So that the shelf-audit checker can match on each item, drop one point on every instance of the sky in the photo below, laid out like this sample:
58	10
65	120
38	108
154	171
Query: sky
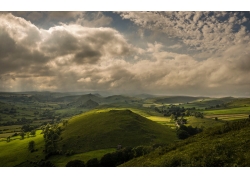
198	53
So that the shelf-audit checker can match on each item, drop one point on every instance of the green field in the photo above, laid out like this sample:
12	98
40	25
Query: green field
236	110
16	151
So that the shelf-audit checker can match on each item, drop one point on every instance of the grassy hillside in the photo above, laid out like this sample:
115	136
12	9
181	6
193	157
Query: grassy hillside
16	151
101	130
226	145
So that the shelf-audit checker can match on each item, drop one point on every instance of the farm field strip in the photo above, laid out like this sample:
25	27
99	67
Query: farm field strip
239	110
228	116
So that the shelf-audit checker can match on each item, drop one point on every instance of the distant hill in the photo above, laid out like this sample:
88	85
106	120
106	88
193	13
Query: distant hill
174	99
100	130
67	98
89	104
84	98
120	99
144	96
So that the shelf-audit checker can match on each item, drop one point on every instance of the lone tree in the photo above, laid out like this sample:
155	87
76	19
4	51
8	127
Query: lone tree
22	134
33	132
8	139
31	146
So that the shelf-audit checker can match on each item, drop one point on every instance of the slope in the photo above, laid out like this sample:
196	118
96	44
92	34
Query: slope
226	145
101	130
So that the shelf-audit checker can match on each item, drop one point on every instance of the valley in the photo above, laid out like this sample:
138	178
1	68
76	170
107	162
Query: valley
90	128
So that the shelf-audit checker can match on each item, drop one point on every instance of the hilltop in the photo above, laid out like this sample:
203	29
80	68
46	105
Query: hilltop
100	130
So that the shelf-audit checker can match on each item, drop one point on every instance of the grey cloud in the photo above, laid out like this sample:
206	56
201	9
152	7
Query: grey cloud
87	55
87	45
58	43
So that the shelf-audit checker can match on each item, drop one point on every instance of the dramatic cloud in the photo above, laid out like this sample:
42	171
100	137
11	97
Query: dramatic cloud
190	53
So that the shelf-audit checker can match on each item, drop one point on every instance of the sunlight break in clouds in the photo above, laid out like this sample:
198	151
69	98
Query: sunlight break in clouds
189	53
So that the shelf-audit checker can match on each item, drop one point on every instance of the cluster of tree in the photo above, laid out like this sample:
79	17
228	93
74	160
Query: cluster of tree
47	114
8	111
184	132
28	128
113	159
51	136
198	114
217	106
174	112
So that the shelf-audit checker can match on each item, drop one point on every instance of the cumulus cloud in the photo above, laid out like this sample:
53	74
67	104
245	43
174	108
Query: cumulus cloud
77	56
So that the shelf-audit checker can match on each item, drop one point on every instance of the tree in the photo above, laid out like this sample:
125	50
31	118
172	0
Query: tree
8	139
31	146
65	122
187	112
33	132
172	117
182	134
22	134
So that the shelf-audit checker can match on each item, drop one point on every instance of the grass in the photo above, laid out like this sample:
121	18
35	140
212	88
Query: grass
16	151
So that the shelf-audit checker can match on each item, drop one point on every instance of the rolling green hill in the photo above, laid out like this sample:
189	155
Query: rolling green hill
101	130
226	145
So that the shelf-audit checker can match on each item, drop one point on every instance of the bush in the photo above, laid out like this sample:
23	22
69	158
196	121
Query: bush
182	134
93	163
